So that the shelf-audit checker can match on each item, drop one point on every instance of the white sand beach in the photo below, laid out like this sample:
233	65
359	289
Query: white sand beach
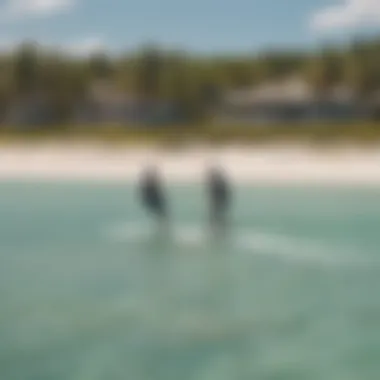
257	164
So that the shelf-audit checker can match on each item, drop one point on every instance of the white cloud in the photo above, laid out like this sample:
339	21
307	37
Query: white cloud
347	14
84	47
7	46
81	47
19	9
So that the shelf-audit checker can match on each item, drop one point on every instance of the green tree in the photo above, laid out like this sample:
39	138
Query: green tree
323	72
148	71
26	68
361	70
100	66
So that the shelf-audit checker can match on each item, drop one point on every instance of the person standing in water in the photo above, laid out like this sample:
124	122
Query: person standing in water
220	198
152	195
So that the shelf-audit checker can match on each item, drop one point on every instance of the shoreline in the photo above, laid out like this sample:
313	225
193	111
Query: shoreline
259	165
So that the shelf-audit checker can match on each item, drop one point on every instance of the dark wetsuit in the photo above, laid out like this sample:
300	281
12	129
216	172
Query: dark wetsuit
152	195
219	198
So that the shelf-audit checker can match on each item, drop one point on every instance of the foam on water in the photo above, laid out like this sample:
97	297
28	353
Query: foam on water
135	232
301	249
249	241
127	232
189	235
286	246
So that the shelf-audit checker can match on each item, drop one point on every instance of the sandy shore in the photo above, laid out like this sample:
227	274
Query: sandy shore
261	165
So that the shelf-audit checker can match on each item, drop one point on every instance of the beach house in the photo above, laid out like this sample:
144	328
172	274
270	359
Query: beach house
107	105
291	100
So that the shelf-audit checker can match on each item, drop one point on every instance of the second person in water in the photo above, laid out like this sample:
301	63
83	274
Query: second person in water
219	198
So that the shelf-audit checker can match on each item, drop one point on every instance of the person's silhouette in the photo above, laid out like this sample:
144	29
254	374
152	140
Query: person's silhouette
152	194
220	197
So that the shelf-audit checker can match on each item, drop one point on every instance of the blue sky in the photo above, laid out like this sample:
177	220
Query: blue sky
199	25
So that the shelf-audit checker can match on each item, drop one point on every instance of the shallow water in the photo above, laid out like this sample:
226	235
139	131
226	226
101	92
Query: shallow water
90	290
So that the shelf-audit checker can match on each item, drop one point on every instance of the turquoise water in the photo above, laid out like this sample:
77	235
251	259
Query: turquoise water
89	290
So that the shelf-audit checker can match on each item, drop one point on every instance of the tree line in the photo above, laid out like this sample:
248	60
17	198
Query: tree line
194	83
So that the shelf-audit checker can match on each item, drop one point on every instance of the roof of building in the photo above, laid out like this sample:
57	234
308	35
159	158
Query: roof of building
289	90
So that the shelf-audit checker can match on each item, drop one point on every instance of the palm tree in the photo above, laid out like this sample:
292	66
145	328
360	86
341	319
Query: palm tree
148	71
323	72
26	68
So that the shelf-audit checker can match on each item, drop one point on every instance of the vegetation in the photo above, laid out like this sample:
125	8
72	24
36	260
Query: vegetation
177	136
194	83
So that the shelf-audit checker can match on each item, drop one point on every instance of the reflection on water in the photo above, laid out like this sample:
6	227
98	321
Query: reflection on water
284	295
192	317
176	313
182	303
